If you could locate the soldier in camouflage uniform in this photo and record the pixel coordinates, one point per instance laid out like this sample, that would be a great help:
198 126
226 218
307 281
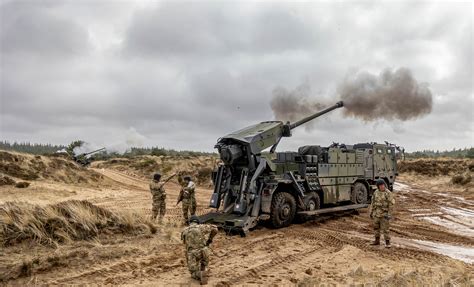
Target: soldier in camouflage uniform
197 238
159 197
381 212
189 198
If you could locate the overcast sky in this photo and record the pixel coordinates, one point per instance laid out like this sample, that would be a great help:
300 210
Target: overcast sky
182 74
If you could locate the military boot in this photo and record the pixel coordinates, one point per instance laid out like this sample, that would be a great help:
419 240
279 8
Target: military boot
204 277
387 244
376 241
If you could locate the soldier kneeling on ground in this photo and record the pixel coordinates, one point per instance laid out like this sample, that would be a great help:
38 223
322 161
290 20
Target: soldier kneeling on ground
197 238
381 212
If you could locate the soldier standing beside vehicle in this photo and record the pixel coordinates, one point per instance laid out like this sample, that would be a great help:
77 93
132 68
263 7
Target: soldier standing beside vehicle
159 197
381 212
188 198
197 238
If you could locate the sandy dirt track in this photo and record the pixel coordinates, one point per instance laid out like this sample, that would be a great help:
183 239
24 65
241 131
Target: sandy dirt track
432 238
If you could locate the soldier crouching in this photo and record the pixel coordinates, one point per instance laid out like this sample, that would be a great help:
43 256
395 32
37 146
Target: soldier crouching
197 238
381 212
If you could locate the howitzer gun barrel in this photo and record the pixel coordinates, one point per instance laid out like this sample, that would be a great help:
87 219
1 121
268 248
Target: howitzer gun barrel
94 151
318 114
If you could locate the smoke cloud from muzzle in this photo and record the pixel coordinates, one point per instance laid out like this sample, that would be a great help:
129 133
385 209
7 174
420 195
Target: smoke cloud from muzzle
392 95
389 96
130 138
293 105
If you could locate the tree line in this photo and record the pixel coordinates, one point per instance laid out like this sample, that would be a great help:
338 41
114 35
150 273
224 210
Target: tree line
454 153
43 149
32 148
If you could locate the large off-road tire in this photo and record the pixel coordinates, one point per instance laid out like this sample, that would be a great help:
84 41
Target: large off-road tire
283 209
359 193
311 202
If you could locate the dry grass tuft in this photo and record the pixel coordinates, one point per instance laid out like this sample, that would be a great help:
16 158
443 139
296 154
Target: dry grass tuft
64 222
461 179
5 180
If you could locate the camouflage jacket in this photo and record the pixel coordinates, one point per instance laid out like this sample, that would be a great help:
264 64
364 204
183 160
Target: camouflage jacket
382 203
157 191
189 190
198 236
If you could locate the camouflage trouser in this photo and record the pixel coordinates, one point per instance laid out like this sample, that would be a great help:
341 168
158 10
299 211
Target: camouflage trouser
189 206
382 225
198 260
158 207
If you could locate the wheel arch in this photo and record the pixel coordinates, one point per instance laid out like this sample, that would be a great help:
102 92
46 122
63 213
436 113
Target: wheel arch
286 187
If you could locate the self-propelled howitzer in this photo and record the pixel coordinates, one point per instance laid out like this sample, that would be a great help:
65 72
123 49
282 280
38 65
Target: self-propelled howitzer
252 186
248 183
84 158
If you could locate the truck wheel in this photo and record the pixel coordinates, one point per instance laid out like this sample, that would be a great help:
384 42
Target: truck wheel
283 209
359 193
311 202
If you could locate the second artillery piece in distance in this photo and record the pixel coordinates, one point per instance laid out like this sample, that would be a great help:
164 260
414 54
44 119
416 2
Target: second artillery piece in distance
84 158
251 186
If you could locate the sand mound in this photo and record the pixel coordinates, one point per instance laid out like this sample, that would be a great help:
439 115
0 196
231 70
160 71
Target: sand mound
435 167
199 167
64 222
28 167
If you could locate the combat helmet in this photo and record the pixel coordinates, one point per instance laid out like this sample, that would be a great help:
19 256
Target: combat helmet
157 176
187 177
380 182
195 219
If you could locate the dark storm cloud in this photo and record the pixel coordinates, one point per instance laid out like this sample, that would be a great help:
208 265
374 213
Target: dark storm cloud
184 74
